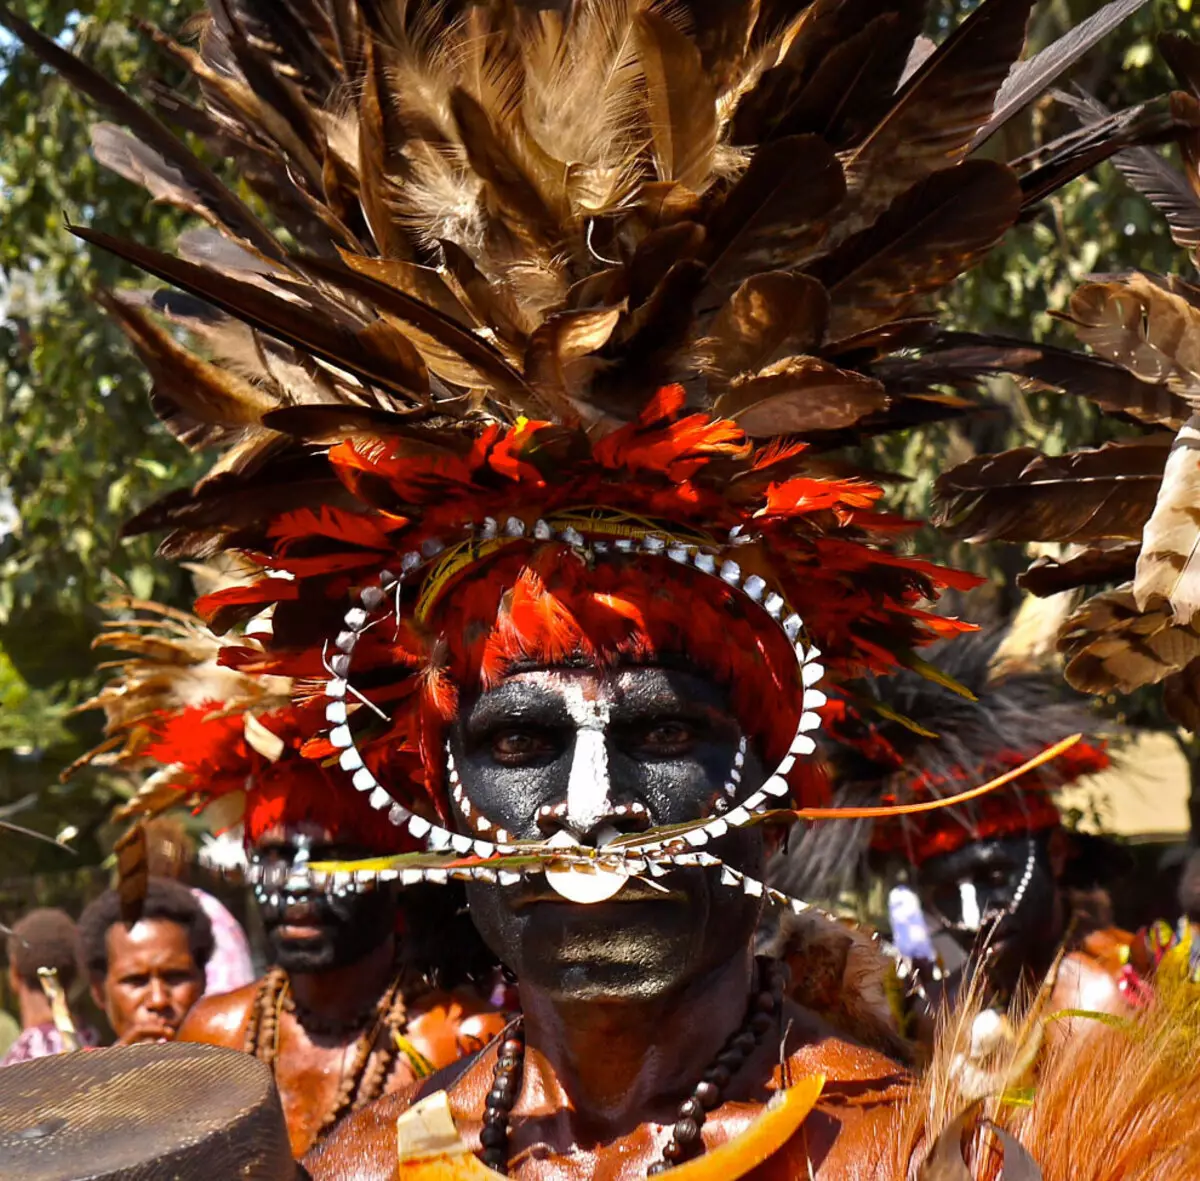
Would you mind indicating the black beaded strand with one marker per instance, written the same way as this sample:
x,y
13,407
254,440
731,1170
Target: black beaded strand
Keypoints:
x,y
762,1014
506,1086
709,1093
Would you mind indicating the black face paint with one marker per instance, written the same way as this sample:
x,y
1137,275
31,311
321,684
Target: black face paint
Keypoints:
x,y
597,755
1003,887
307,929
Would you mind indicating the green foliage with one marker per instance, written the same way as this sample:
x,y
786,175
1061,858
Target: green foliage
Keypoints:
x,y
82,449
1096,224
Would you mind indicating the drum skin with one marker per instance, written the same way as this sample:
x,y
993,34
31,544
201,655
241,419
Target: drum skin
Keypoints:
x,y
170,1112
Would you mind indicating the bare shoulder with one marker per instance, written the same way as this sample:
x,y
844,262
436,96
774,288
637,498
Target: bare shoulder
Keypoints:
x,y
850,1069
474,1019
219,1020
363,1146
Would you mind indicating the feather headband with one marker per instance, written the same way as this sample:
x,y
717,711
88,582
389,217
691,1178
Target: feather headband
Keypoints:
x,y
213,739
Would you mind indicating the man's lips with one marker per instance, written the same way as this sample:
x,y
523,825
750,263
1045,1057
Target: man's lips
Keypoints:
x,y
632,892
302,920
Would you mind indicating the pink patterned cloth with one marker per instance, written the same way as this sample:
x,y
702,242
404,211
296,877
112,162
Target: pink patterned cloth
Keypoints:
x,y
230,965
40,1041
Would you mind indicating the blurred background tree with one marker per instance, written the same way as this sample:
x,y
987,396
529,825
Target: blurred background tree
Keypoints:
x,y
83,451
1097,224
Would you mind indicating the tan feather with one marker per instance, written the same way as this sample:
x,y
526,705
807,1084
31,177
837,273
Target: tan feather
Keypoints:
x,y
682,103
1168,568
1152,332
1111,646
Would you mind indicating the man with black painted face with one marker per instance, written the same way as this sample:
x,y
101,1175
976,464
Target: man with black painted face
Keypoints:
x,y
1002,892
345,1013
992,873
646,1016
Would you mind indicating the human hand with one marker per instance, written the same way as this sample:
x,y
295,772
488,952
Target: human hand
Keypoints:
x,y
146,1031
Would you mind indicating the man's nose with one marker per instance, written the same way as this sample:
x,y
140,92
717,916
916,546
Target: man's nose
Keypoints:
x,y
158,996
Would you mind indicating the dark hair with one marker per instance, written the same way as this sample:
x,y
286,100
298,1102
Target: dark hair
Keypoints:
x,y
1189,887
165,899
44,938
440,941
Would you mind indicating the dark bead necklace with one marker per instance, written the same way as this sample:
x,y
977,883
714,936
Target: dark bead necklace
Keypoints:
x,y
762,1013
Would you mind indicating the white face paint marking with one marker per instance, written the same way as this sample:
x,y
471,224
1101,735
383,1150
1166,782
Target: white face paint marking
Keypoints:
x,y
970,905
588,786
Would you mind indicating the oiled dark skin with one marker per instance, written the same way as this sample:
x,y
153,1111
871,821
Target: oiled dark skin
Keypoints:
x,y
1024,942
340,954
628,1001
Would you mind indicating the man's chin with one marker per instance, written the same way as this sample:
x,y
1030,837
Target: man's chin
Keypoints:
x,y
608,951
304,953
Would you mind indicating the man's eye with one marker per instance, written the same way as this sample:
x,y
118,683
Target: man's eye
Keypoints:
x,y
668,737
520,746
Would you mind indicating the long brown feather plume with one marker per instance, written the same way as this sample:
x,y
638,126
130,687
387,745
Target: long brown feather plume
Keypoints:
x,y
472,213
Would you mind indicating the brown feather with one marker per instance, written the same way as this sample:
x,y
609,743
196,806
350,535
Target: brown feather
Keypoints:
x,y
205,393
936,115
490,365
955,357
1113,562
1094,494
560,361
133,872
799,395
854,77
776,216
339,343
1110,646
770,316
938,229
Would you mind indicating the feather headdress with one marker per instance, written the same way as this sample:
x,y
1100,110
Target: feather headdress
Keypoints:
x,y
551,315
907,738
1127,509
207,737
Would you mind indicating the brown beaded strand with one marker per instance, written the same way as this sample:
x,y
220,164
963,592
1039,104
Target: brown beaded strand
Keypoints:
x,y
367,1076
763,1014
709,1093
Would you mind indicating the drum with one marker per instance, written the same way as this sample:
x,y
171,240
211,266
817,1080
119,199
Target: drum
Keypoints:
x,y
170,1112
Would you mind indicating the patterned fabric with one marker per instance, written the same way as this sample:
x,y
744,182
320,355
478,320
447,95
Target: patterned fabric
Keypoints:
x,y
230,965
39,1041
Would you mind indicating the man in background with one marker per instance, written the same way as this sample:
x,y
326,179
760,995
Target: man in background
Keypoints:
x,y
44,939
170,853
146,976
